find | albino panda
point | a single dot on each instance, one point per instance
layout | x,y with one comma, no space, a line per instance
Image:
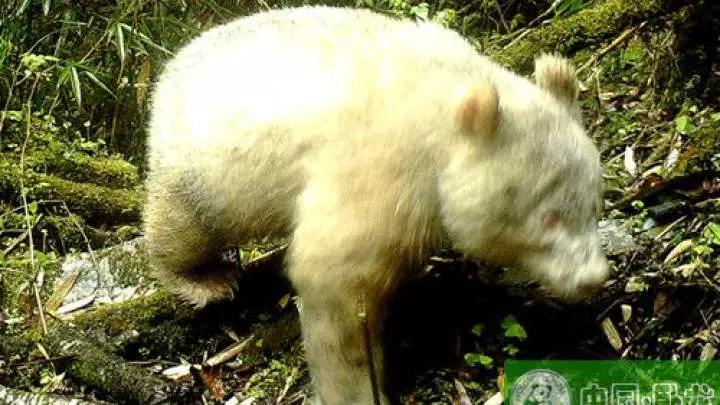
371,142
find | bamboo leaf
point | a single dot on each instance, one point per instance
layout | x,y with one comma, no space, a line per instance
21,8
99,83
75,84
120,42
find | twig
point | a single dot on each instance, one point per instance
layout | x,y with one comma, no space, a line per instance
529,27
21,238
710,282
228,353
670,227
288,383
266,257
26,211
547,12
93,259
518,38
612,45
502,18
264,4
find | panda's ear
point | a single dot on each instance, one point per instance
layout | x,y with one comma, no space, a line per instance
557,75
477,112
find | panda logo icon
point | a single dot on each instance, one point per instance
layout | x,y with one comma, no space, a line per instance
540,387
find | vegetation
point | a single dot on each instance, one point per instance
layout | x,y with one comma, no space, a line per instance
74,84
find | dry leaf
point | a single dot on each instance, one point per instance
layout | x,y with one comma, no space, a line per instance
679,249
626,311
671,159
229,353
177,372
611,333
62,290
76,305
708,352
284,301
660,302
629,159
463,398
213,381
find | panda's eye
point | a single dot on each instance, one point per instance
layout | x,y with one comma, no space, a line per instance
551,219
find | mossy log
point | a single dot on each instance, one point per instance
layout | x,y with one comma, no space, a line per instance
587,28
92,363
112,172
92,344
65,232
9,396
97,205
99,368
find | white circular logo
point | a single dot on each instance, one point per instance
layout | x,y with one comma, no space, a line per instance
540,387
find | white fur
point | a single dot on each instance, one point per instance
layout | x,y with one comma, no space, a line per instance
339,127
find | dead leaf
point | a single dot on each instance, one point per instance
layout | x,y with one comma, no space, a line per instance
462,397
660,302
679,249
62,290
229,353
629,159
626,311
611,333
177,372
284,301
708,352
211,377
671,159
76,305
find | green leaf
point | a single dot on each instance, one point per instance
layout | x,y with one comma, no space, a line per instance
715,117
513,328
684,124
702,250
478,359
478,329
712,233
632,55
421,11
99,83
32,207
120,42
512,350
636,284
75,84
21,8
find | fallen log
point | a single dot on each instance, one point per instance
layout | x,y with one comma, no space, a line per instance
589,27
65,232
93,364
10,396
112,172
98,205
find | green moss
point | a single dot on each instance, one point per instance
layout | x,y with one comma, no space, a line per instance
82,168
141,314
95,204
17,276
587,28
